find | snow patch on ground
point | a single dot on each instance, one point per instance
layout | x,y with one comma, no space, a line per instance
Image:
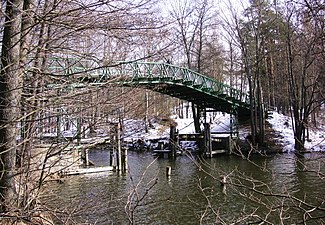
282,124
185,126
135,129
220,122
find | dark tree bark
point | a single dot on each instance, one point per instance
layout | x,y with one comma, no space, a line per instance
10,98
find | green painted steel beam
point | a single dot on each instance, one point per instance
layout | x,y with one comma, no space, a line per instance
198,87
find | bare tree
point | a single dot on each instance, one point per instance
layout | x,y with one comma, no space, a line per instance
304,67
11,91
195,25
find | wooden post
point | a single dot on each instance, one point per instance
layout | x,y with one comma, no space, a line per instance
124,151
231,117
80,155
207,140
121,152
146,122
230,145
168,171
223,180
84,156
113,159
58,124
78,130
172,140
87,157
124,160
160,145
119,148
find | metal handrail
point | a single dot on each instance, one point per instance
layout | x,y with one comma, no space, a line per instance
134,70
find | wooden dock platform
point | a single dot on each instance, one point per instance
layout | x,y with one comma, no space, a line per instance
163,153
79,171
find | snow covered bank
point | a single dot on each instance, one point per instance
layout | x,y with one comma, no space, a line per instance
283,125
221,123
135,129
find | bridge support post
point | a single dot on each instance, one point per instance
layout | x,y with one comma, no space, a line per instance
196,111
207,141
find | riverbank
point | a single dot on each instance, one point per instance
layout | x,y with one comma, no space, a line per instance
278,133
271,145
279,136
282,126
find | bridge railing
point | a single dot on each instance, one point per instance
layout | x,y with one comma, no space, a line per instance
174,73
85,69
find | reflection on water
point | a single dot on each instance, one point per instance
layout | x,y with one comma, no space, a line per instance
192,194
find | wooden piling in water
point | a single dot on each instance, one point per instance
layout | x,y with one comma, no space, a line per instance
223,180
168,171
160,145
87,157
230,144
113,158
124,160
173,140
118,154
113,155
207,140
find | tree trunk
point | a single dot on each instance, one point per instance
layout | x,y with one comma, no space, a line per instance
29,109
11,83
261,117
251,107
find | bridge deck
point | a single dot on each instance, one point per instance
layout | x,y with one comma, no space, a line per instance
199,95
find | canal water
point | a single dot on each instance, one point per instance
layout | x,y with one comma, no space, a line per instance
193,193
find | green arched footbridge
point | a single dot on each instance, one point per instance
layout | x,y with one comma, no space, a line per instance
161,77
